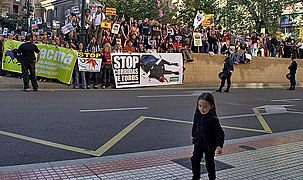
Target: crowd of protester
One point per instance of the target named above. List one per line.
(153, 36)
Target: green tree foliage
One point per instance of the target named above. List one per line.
(11, 21)
(189, 9)
(140, 9)
(252, 14)
(237, 14)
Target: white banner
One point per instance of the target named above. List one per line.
(115, 28)
(67, 28)
(89, 61)
(75, 10)
(197, 39)
(39, 20)
(89, 65)
(67, 13)
(5, 31)
(198, 20)
(137, 70)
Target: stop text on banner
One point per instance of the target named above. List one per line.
(89, 61)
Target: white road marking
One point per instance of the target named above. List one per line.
(250, 115)
(274, 108)
(194, 93)
(293, 112)
(285, 100)
(117, 109)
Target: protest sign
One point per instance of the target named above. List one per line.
(39, 20)
(5, 31)
(145, 69)
(208, 21)
(75, 10)
(198, 20)
(115, 29)
(89, 61)
(111, 11)
(67, 13)
(34, 24)
(67, 28)
(55, 62)
(197, 39)
(48, 25)
(106, 25)
(56, 24)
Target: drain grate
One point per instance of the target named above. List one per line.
(187, 163)
(249, 148)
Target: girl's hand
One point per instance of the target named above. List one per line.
(218, 151)
(192, 140)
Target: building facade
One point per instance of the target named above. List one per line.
(292, 19)
(14, 6)
(55, 9)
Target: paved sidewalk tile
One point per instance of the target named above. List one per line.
(275, 156)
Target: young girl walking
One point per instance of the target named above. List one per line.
(207, 136)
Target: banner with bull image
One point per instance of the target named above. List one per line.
(145, 69)
(89, 61)
(55, 62)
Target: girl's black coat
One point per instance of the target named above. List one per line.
(207, 131)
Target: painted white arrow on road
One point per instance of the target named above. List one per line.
(272, 109)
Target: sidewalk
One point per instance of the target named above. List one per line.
(273, 156)
(16, 83)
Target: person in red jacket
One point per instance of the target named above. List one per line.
(107, 74)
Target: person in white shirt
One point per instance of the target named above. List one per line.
(88, 24)
(97, 20)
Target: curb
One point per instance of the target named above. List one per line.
(15, 83)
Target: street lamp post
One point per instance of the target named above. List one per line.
(28, 9)
(82, 29)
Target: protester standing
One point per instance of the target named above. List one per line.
(207, 136)
(78, 73)
(27, 52)
(292, 70)
(227, 70)
(96, 22)
(107, 74)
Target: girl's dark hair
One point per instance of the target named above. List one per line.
(211, 100)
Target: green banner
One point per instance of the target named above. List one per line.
(55, 62)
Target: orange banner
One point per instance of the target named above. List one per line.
(106, 25)
(209, 20)
(111, 11)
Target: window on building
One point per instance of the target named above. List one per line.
(15, 9)
(56, 12)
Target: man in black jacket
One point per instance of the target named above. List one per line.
(292, 70)
(227, 70)
(27, 51)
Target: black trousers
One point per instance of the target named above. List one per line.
(209, 160)
(228, 78)
(293, 81)
(107, 76)
(29, 73)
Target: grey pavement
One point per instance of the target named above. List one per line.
(16, 83)
(270, 156)
(274, 156)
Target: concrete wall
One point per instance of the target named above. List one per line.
(205, 69)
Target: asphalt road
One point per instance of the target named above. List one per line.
(61, 125)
